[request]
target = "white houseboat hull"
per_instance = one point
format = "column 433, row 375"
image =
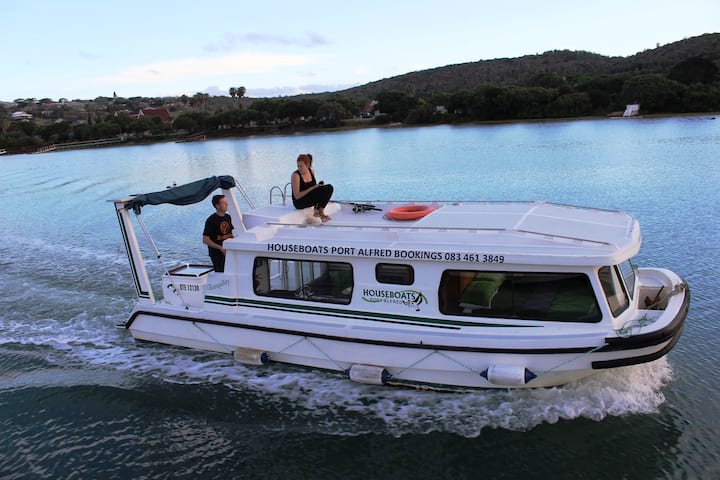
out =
column 373, row 340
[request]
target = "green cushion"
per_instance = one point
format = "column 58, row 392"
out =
column 576, row 302
column 341, row 281
column 483, row 288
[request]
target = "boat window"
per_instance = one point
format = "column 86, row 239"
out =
column 394, row 273
column 628, row 272
column 562, row 297
column 330, row 282
column 613, row 288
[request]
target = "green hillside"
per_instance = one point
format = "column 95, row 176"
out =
column 520, row 71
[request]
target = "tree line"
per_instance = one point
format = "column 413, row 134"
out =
column 692, row 85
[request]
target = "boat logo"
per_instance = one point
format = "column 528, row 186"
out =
column 216, row 286
column 410, row 298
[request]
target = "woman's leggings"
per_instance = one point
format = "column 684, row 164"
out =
column 318, row 198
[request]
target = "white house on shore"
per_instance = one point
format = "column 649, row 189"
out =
column 632, row 110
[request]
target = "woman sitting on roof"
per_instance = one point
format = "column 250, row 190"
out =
column 306, row 191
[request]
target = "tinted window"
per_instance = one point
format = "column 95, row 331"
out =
column 566, row 297
column 394, row 273
column 330, row 282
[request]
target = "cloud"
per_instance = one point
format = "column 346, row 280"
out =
column 239, row 64
column 229, row 42
column 295, row 90
column 88, row 55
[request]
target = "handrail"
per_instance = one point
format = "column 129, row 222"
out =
column 285, row 192
column 245, row 196
column 282, row 194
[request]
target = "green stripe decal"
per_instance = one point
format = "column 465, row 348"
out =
column 361, row 315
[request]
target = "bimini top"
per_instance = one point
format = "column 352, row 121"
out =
column 184, row 194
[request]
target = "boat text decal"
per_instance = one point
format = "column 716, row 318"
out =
column 410, row 298
column 386, row 253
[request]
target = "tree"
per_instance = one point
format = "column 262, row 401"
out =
column 124, row 121
column 424, row 112
column 550, row 80
column 695, row 70
column 458, row 103
column 238, row 92
column 233, row 93
column 571, row 104
column 331, row 113
column 395, row 104
column 191, row 122
column 56, row 132
column 199, row 99
column 410, row 90
column 702, row 98
column 654, row 93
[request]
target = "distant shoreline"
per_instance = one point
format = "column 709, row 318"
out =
column 353, row 124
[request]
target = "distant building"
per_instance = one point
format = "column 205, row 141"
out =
column 632, row 110
column 152, row 112
column 21, row 116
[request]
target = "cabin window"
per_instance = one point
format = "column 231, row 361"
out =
column 330, row 282
column 394, row 273
column 628, row 272
column 562, row 297
column 613, row 288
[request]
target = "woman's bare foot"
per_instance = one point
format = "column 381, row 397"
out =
column 320, row 212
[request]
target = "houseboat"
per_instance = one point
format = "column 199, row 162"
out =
column 441, row 295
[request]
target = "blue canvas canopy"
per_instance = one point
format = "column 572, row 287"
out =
column 184, row 194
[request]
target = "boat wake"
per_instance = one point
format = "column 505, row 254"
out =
column 630, row 390
column 329, row 404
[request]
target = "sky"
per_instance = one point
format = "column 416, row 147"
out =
column 79, row 49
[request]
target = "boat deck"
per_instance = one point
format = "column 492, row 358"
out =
column 539, row 227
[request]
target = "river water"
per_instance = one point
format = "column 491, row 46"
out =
column 79, row 398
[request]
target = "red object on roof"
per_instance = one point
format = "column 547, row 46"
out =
column 156, row 112
column 151, row 112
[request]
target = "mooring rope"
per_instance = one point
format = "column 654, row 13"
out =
column 417, row 362
column 442, row 354
column 340, row 367
column 584, row 354
column 626, row 330
column 212, row 338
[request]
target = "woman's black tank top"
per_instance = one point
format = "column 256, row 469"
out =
column 303, row 184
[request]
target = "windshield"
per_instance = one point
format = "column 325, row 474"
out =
column 614, row 292
column 628, row 272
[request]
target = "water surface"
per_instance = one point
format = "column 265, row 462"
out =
column 79, row 398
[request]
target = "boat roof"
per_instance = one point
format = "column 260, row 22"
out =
column 521, row 232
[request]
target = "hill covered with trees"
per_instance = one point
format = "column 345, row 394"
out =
column 520, row 71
